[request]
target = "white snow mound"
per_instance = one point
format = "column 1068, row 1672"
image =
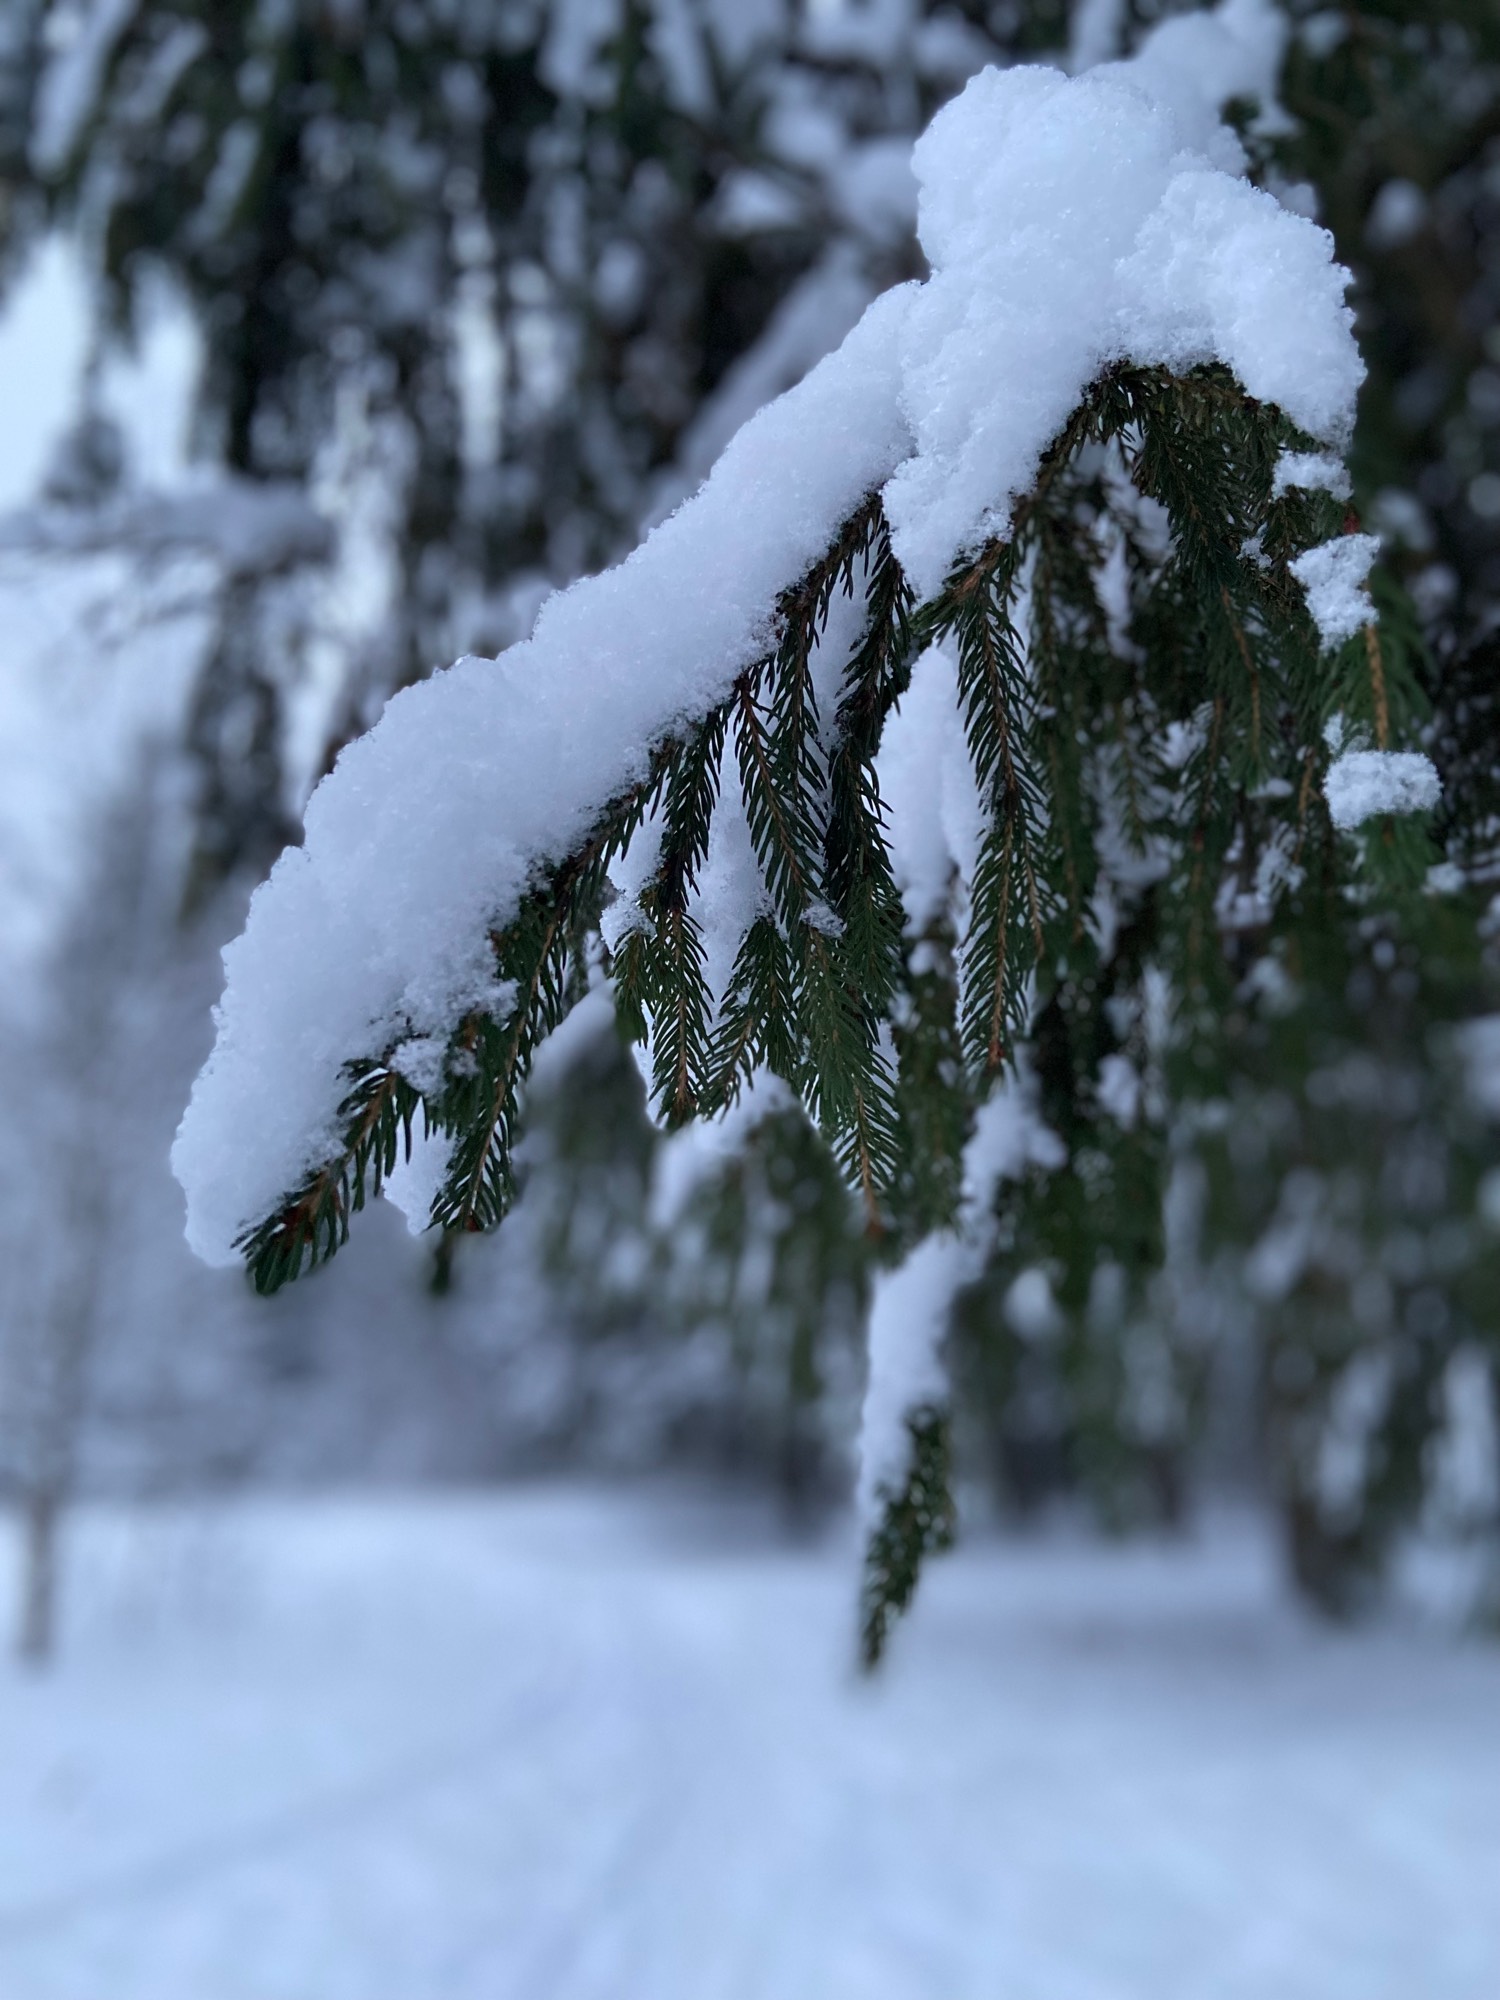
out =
column 1362, row 784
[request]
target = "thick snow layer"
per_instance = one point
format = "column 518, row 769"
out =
column 1362, row 784
column 572, row 1746
column 1196, row 62
column 1115, row 241
column 1333, row 579
column 1069, row 224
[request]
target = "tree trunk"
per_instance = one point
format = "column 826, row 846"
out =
column 40, row 1518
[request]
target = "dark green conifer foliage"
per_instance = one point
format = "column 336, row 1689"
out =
column 1350, row 1101
column 1397, row 128
column 1212, row 720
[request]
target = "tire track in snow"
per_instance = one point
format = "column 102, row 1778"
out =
column 188, row 1865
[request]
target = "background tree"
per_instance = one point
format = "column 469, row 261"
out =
column 495, row 285
column 1146, row 699
column 487, row 286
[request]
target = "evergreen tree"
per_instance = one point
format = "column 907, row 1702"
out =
column 1356, row 1157
column 1183, row 729
column 1395, row 128
column 511, row 287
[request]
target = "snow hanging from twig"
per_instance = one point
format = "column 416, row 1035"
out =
column 912, row 1304
column 1333, row 578
column 1362, row 784
column 1069, row 224
column 1311, row 472
column 933, row 810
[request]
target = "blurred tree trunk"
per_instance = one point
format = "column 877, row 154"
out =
column 37, row 1631
column 65, row 1340
column 71, row 1158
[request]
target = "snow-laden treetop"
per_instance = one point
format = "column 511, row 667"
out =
column 1071, row 224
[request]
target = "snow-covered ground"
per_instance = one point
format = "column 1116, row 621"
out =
column 562, row 1743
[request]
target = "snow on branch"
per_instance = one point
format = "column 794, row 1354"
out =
column 1073, row 227
column 248, row 527
column 1363, row 784
column 1333, row 575
column 912, row 1304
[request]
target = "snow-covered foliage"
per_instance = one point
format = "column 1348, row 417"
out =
column 423, row 840
column 1045, row 563
column 372, row 911
column 1120, row 240
column 479, row 294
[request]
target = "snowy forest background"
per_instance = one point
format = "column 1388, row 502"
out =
column 335, row 336
column 333, row 344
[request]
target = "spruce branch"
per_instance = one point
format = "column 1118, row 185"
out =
column 669, row 963
column 1006, row 938
column 314, row 1223
column 817, row 981
column 915, row 1522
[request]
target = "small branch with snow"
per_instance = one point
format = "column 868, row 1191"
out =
column 248, row 528
column 1364, row 784
column 994, row 616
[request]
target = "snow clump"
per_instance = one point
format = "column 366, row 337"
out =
column 1362, row 784
column 1311, row 472
column 1333, row 578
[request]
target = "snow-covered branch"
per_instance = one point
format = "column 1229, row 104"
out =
column 247, row 528
column 1072, row 226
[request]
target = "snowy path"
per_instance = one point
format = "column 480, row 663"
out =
column 561, row 1747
